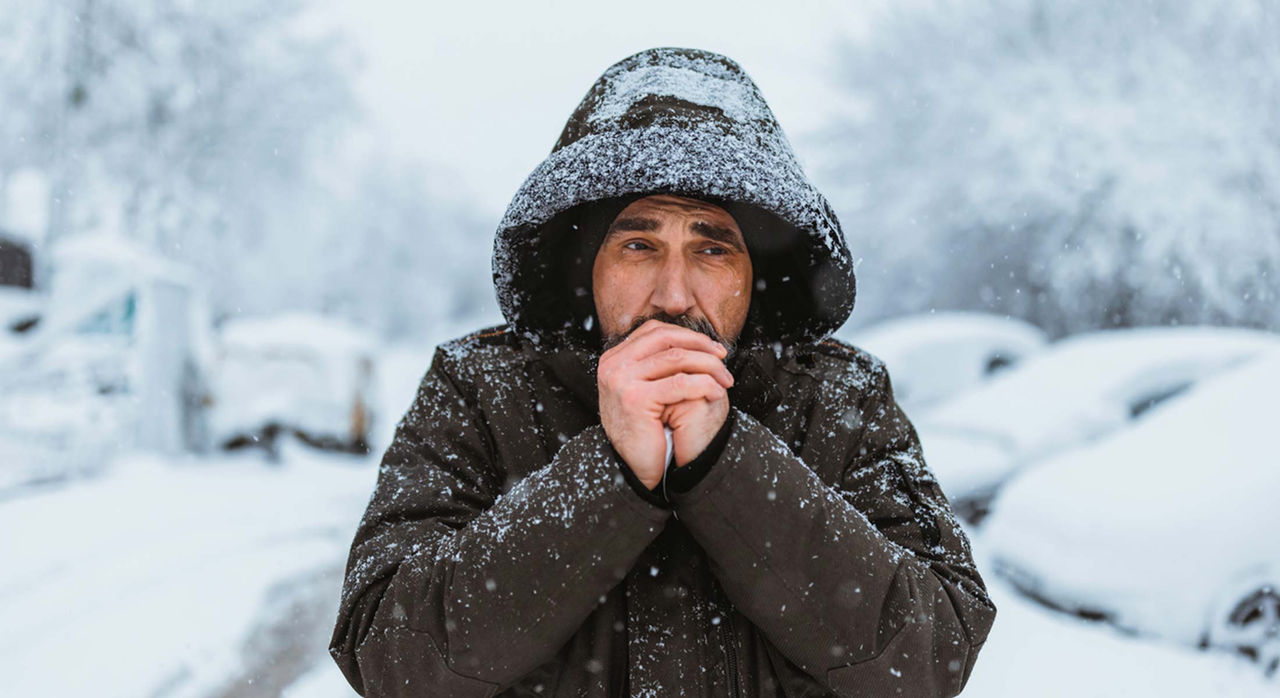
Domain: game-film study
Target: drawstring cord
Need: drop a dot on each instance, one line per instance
(671, 450)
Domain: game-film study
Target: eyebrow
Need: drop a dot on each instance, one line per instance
(712, 231)
(719, 233)
(633, 224)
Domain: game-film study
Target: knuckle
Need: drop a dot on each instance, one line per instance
(609, 380)
(630, 397)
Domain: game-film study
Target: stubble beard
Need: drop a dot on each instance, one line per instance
(698, 324)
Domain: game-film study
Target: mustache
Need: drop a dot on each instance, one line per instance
(697, 324)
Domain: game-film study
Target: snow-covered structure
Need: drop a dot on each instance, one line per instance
(294, 372)
(116, 361)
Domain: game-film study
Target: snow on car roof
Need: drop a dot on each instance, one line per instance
(1081, 373)
(1186, 493)
(1074, 390)
(933, 356)
(894, 336)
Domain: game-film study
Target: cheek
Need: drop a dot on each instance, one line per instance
(729, 292)
(740, 300)
(614, 293)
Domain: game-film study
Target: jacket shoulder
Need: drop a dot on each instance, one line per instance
(494, 335)
(838, 360)
(485, 350)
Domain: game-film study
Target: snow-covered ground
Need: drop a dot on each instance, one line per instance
(206, 576)
(173, 578)
(220, 576)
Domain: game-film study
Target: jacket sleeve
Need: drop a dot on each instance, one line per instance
(869, 586)
(454, 587)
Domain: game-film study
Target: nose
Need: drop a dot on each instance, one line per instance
(672, 292)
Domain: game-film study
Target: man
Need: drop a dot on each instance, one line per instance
(660, 478)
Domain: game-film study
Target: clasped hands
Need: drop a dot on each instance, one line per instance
(662, 375)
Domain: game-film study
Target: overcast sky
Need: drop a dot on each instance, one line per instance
(481, 90)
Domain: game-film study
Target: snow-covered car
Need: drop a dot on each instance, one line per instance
(1077, 390)
(293, 373)
(932, 356)
(116, 361)
(1170, 528)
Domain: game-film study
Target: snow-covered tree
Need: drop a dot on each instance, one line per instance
(167, 119)
(1078, 163)
(406, 257)
(215, 134)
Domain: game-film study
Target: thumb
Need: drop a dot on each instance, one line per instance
(667, 415)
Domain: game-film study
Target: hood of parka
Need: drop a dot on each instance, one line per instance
(676, 121)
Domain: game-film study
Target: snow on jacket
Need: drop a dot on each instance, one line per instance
(507, 549)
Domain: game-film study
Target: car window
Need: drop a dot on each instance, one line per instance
(1145, 402)
(998, 361)
(116, 318)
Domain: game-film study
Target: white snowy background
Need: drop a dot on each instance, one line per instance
(249, 211)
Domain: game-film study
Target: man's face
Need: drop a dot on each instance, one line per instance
(672, 258)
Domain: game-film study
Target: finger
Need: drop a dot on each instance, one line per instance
(677, 360)
(662, 335)
(648, 326)
(655, 326)
(684, 386)
(675, 415)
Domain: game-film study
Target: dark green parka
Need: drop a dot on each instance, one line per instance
(507, 549)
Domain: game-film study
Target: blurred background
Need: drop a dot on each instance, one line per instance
(231, 235)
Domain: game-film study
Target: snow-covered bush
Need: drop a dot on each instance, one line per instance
(1080, 164)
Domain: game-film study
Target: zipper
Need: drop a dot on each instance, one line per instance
(724, 608)
(731, 656)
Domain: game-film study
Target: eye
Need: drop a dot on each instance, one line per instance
(715, 250)
(636, 245)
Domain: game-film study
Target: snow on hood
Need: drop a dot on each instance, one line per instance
(678, 121)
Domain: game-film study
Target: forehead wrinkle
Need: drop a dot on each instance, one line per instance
(692, 206)
(680, 202)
